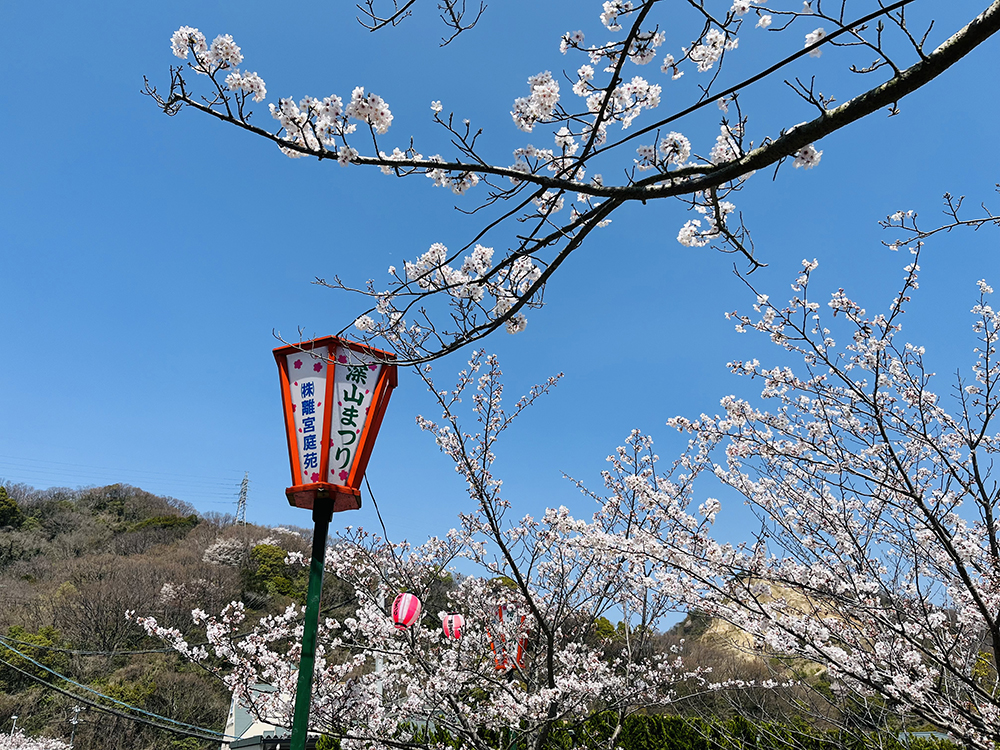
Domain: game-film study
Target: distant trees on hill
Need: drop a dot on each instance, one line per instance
(72, 561)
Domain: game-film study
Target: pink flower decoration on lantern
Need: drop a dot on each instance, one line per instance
(298, 364)
(314, 476)
(317, 367)
(343, 476)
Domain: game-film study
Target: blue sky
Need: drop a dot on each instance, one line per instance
(146, 260)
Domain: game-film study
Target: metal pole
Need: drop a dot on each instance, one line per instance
(74, 721)
(378, 656)
(322, 513)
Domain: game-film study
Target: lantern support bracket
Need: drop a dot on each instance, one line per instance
(322, 513)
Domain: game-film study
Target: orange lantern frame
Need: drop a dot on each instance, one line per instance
(346, 496)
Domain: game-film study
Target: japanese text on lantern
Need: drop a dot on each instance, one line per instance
(307, 373)
(355, 376)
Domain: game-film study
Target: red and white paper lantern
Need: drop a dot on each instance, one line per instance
(405, 611)
(453, 625)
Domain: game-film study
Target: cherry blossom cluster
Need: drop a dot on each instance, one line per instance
(700, 232)
(879, 552)
(807, 156)
(673, 148)
(310, 125)
(222, 55)
(471, 282)
(709, 50)
(459, 182)
(539, 105)
(18, 740)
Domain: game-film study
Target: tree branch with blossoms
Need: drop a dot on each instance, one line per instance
(446, 299)
(906, 222)
(878, 556)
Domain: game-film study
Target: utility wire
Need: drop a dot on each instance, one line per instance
(101, 695)
(216, 479)
(385, 534)
(77, 652)
(201, 732)
(212, 737)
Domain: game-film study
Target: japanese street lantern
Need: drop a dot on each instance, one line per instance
(405, 611)
(335, 393)
(453, 625)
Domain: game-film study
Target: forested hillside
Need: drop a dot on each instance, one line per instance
(72, 562)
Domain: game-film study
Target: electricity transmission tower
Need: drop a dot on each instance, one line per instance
(241, 504)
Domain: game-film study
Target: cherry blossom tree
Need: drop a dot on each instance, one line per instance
(516, 676)
(877, 555)
(604, 143)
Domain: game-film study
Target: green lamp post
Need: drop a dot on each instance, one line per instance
(335, 394)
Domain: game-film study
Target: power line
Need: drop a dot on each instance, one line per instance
(214, 736)
(202, 732)
(77, 652)
(36, 470)
(202, 492)
(165, 474)
(33, 474)
(173, 726)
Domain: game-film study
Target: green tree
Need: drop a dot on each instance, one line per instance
(39, 648)
(10, 512)
(269, 574)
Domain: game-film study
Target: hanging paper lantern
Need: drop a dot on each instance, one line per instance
(405, 611)
(453, 625)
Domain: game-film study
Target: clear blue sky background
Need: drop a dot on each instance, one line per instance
(146, 260)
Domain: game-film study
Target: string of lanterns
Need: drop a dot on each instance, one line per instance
(406, 612)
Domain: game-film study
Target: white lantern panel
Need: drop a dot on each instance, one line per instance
(354, 378)
(307, 382)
